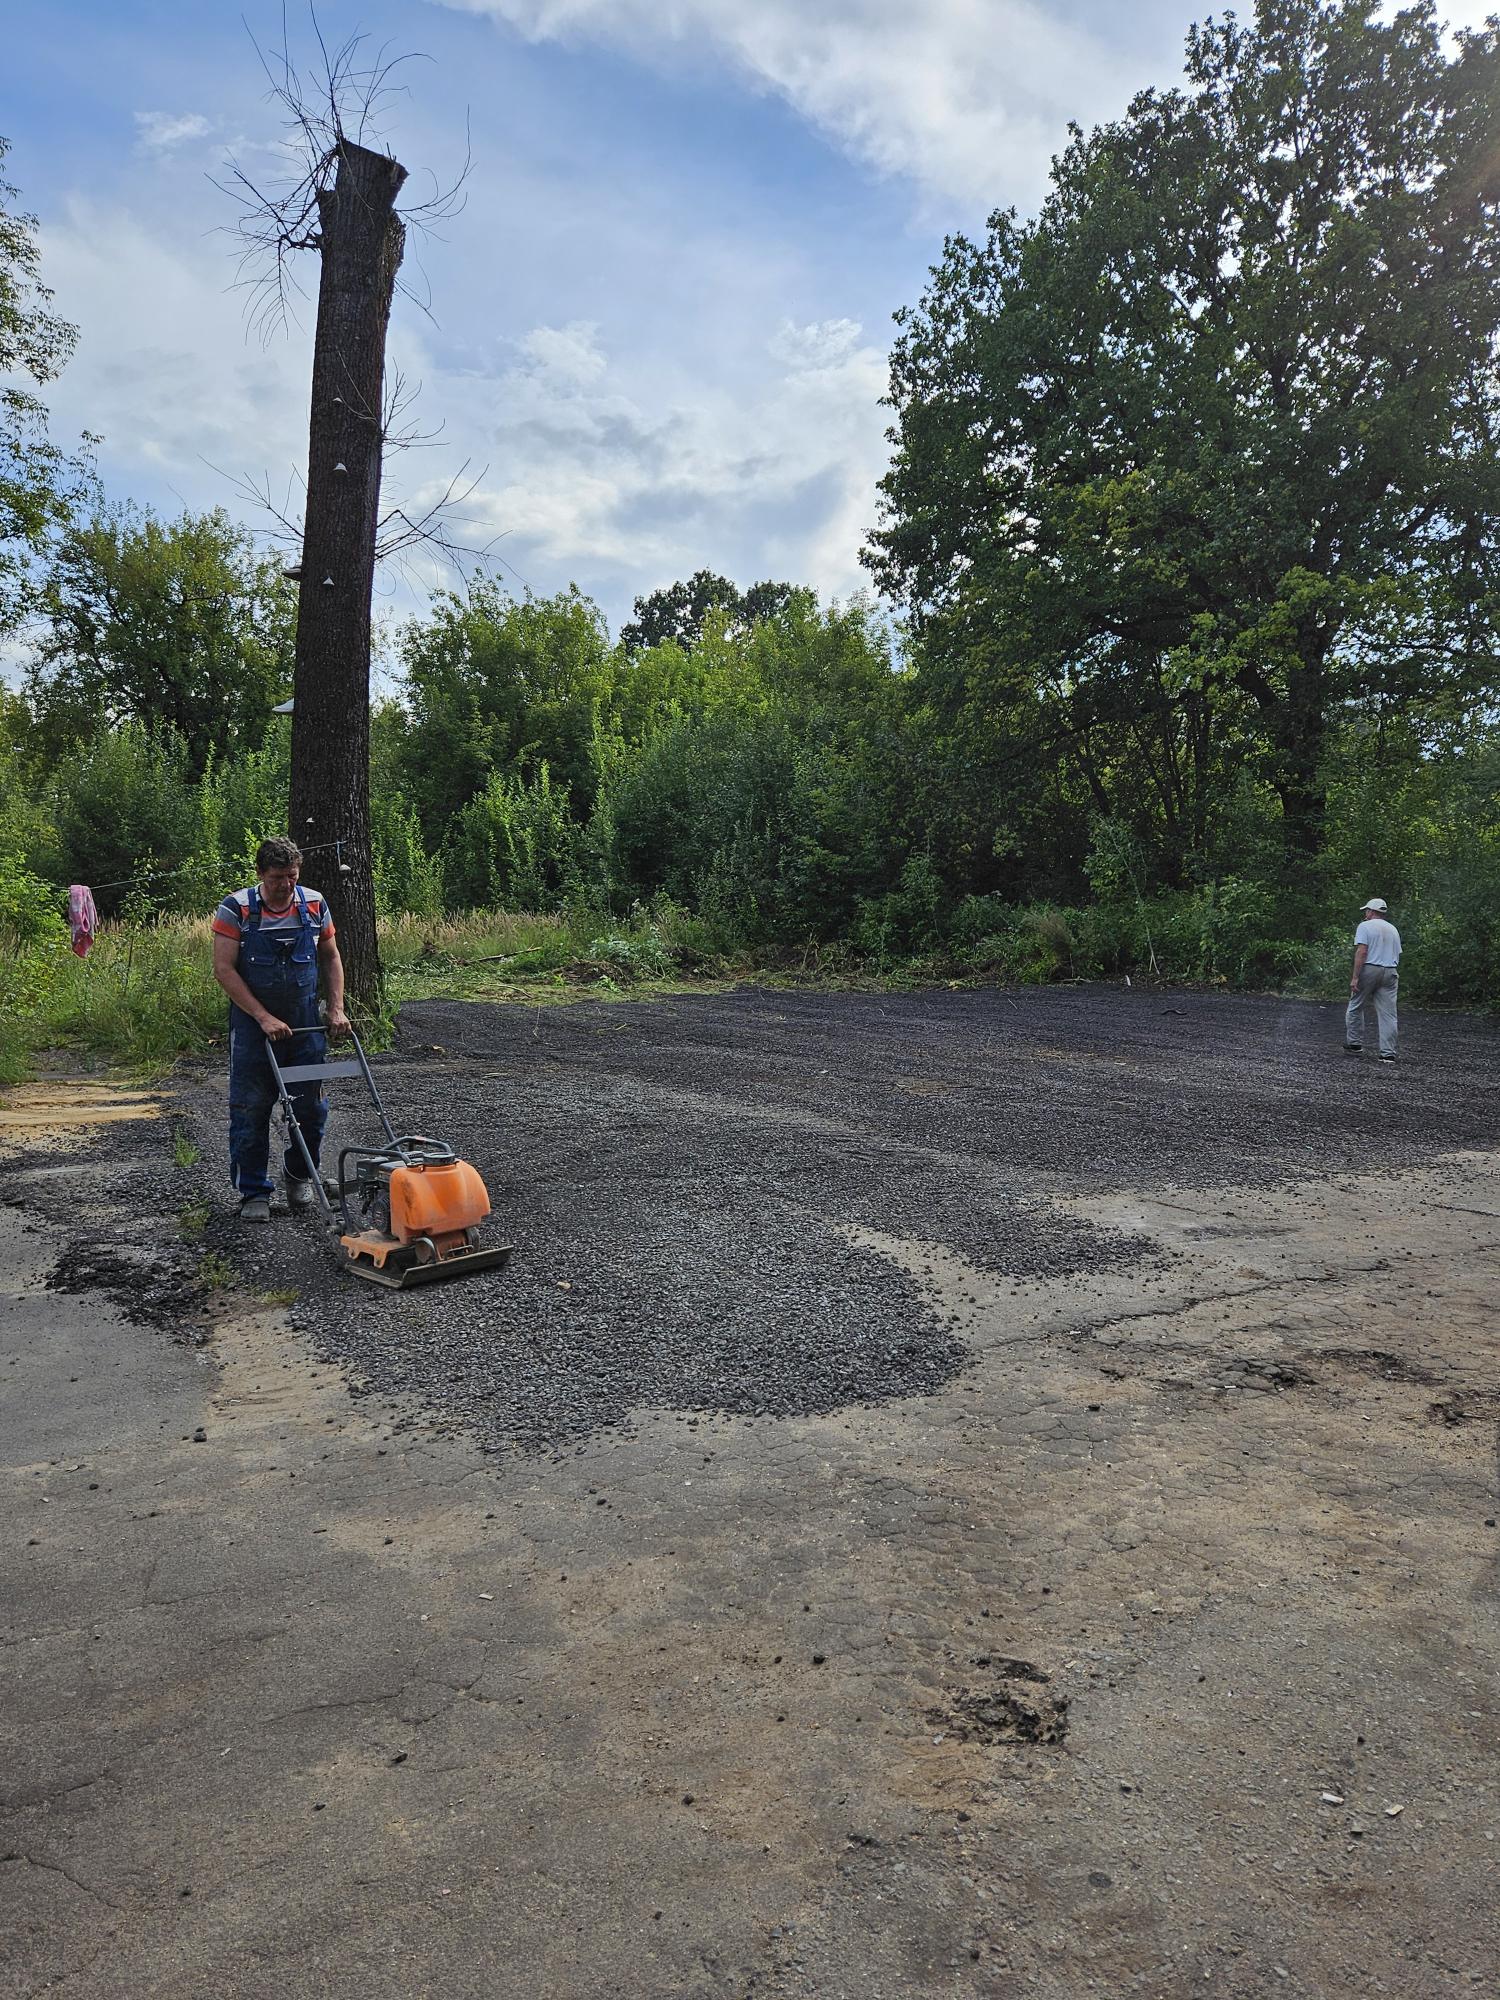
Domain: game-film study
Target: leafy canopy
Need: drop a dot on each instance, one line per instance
(39, 484)
(1210, 446)
(497, 684)
(178, 625)
(680, 611)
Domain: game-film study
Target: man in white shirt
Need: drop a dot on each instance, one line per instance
(1377, 953)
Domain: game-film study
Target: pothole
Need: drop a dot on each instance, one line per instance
(1012, 1710)
(1268, 1376)
(1466, 1406)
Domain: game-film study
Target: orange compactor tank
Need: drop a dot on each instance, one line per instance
(408, 1211)
(421, 1207)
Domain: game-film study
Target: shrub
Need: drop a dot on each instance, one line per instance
(125, 806)
(251, 794)
(514, 846)
(907, 920)
(145, 994)
(642, 954)
(405, 878)
(1023, 946)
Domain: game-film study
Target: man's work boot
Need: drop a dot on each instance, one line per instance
(299, 1193)
(257, 1208)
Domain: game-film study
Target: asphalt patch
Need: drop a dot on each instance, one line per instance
(121, 1200)
(1379, 1361)
(687, 1182)
(161, 1289)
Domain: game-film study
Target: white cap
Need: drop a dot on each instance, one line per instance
(1374, 903)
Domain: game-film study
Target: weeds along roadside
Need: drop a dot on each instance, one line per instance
(145, 996)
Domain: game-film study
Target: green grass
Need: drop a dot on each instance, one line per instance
(216, 1272)
(499, 955)
(193, 1220)
(144, 996)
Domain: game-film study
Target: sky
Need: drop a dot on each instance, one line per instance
(654, 338)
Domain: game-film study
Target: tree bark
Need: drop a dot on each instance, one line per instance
(1297, 731)
(361, 241)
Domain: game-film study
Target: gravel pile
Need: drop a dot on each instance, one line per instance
(678, 1178)
(690, 1306)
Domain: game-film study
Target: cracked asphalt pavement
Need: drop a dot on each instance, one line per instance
(955, 1494)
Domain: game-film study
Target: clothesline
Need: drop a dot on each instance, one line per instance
(188, 867)
(83, 915)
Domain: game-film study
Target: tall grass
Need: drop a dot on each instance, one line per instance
(146, 993)
(493, 950)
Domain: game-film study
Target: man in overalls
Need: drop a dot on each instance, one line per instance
(270, 942)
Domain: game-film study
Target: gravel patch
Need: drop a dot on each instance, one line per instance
(681, 1178)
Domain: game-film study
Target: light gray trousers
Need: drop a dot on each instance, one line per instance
(1377, 984)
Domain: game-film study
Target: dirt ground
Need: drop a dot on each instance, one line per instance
(1114, 1613)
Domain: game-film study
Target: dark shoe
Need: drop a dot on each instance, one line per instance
(1387, 1058)
(256, 1209)
(1353, 1048)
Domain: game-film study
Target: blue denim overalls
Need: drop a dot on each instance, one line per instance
(281, 970)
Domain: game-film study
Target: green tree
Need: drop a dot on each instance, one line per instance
(680, 610)
(39, 484)
(177, 625)
(493, 684)
(250, 794)
(770, 788)
(513, 846)
(126, 805)
(1208, 450)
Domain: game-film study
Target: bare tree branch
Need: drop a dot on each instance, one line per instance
(343, 97)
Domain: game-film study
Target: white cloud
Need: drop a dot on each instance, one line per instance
(603, 477)
(160, 131)
(968, 98)
(821, 345)
(616, 469)
(163, 368)
(566, 355)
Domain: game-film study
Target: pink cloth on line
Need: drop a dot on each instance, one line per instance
(83, 918)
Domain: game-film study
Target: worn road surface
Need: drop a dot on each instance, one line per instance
(957, 1494)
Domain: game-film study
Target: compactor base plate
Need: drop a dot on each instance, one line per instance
(401, 1271)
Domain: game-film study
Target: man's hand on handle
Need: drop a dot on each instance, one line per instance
(274, 1030)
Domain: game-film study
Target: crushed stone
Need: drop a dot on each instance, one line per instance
(682, 1180)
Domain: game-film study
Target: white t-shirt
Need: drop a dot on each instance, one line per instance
(1382, 941)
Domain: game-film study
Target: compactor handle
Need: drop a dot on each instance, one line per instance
(320, 1072)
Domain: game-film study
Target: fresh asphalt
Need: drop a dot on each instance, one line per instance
(683, 1179)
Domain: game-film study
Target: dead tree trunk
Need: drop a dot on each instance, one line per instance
(360, 241)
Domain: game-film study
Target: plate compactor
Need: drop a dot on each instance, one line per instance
(408, 1211)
